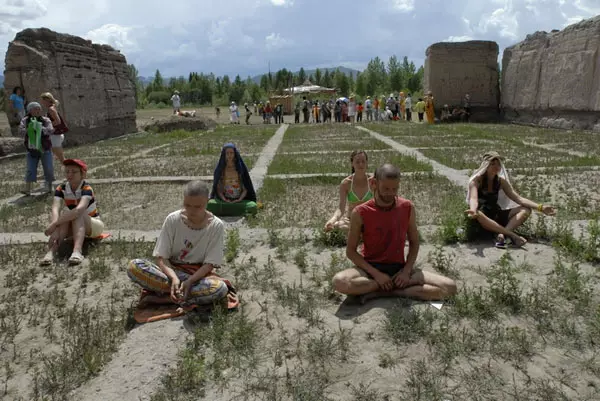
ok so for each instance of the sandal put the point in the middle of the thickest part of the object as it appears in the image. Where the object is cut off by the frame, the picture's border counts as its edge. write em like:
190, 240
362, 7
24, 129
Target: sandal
47, 259
500, 242
76, 258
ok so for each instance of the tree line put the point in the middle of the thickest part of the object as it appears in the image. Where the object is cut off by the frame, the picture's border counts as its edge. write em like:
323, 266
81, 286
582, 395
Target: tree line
379, 78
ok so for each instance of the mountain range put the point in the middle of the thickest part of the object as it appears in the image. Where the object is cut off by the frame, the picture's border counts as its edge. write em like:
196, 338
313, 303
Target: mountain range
256, 78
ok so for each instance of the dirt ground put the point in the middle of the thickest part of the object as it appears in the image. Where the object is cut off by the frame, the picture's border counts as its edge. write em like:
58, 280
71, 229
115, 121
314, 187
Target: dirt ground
523, 326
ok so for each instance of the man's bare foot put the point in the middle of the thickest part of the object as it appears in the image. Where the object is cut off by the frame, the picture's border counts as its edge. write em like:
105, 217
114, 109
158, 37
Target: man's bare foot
518, 241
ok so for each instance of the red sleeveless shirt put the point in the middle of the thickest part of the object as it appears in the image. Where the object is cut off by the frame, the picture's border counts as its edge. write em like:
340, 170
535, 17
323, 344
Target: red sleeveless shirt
384, 230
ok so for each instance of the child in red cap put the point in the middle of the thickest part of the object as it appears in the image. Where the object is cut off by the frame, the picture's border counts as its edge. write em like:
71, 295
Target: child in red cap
80, 217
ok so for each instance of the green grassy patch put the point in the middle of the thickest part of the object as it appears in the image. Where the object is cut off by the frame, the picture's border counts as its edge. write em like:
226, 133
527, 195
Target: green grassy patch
201, 165
340, 163
310, 202
469, 157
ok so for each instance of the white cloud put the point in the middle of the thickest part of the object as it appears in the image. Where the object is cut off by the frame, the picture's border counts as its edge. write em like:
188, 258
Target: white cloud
572, 20
114, 35
279, 3
242, 36
274, 41
458, 38
404, 5
14, 14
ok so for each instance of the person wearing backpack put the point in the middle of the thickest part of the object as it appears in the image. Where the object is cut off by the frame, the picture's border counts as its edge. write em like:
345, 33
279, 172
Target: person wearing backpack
36, 131
58, 122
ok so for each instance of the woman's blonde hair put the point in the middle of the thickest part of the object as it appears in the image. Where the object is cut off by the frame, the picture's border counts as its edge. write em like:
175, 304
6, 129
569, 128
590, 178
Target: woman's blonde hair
48, 96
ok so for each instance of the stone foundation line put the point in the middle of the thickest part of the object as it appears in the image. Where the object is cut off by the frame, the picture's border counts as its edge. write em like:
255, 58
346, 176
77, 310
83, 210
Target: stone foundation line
458, 177
12, 199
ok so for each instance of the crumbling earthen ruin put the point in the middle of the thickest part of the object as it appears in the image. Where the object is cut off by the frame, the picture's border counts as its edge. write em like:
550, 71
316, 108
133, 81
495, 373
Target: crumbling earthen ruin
91, 81
553, 79
454, 69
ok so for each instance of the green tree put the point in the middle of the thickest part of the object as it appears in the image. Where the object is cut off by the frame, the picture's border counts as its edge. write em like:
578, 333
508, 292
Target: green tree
157, 83
301, 76
327, 81
396, 77
318, 76
361, 85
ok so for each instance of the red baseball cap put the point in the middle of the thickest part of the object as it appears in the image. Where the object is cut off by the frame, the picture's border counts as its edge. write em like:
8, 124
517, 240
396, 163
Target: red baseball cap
75, 162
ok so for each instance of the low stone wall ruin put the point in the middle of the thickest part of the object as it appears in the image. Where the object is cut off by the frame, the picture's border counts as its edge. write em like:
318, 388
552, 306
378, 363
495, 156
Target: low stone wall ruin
553, 79
454, 69
91, 82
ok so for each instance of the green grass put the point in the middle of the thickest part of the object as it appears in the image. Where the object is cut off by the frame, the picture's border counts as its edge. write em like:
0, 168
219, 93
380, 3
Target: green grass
469, 157
127, 206
350, 144
315, 200
201, 165
323, 132
340, 163
60, 325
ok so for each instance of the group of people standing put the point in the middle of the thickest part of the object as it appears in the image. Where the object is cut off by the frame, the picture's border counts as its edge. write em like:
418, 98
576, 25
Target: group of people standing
43, 135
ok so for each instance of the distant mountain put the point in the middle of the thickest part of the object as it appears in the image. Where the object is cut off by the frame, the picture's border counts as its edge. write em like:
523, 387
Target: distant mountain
345, 70
2, 81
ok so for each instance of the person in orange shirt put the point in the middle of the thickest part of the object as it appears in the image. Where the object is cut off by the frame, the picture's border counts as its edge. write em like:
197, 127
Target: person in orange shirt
429, 108
402, 110
376, 108
359, 111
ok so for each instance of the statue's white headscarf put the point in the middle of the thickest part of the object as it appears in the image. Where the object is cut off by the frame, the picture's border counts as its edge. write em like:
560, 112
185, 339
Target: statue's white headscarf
503, 201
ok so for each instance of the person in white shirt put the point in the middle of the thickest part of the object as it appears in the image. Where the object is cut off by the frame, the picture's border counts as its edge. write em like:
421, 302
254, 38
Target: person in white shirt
369, 108
408, 107
176, 102
352, 109
189, 246
235, 116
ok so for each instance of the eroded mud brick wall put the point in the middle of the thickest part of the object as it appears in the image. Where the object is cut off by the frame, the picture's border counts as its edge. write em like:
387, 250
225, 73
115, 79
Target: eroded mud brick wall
453, 69
553, 79
97, 97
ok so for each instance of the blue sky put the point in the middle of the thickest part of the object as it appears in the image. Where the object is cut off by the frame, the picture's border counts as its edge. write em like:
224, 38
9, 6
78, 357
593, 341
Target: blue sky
243, 36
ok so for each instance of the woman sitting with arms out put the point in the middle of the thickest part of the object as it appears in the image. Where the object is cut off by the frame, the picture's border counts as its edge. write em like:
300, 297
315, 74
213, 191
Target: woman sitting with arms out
232, 192
494, 204
354, 190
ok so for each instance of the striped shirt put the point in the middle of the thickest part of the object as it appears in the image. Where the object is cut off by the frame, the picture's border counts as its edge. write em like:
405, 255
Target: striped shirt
72, 198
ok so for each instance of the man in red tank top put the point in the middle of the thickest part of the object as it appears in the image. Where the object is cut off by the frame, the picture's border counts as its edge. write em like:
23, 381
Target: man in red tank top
385, 223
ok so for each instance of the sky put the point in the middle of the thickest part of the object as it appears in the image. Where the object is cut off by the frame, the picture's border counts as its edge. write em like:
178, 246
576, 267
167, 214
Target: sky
243, 36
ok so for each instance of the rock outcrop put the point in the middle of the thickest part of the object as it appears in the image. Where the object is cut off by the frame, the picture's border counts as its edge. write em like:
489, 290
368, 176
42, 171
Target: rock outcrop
454, 69
553, 79
11, 146
91, 82
173, 123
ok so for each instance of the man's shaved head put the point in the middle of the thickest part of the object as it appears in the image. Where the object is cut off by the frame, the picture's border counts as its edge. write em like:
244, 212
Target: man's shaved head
387, 171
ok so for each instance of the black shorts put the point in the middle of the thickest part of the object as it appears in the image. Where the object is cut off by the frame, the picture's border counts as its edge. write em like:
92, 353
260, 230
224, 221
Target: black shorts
495, 213
388, 268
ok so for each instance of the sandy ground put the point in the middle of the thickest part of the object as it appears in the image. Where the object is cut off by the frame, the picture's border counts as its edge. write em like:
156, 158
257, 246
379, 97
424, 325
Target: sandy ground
135, 370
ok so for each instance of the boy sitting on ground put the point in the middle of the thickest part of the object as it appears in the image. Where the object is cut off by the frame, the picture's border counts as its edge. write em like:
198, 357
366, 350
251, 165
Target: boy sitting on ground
81, 219
188, 248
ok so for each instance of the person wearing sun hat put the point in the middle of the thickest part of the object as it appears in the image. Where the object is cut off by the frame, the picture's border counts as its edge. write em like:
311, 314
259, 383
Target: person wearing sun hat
79, 218
494, 204
176, 100
36, 131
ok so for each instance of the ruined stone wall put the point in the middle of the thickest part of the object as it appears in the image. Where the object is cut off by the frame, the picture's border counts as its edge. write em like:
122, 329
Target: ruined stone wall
91, 82
553, 79
453, 69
